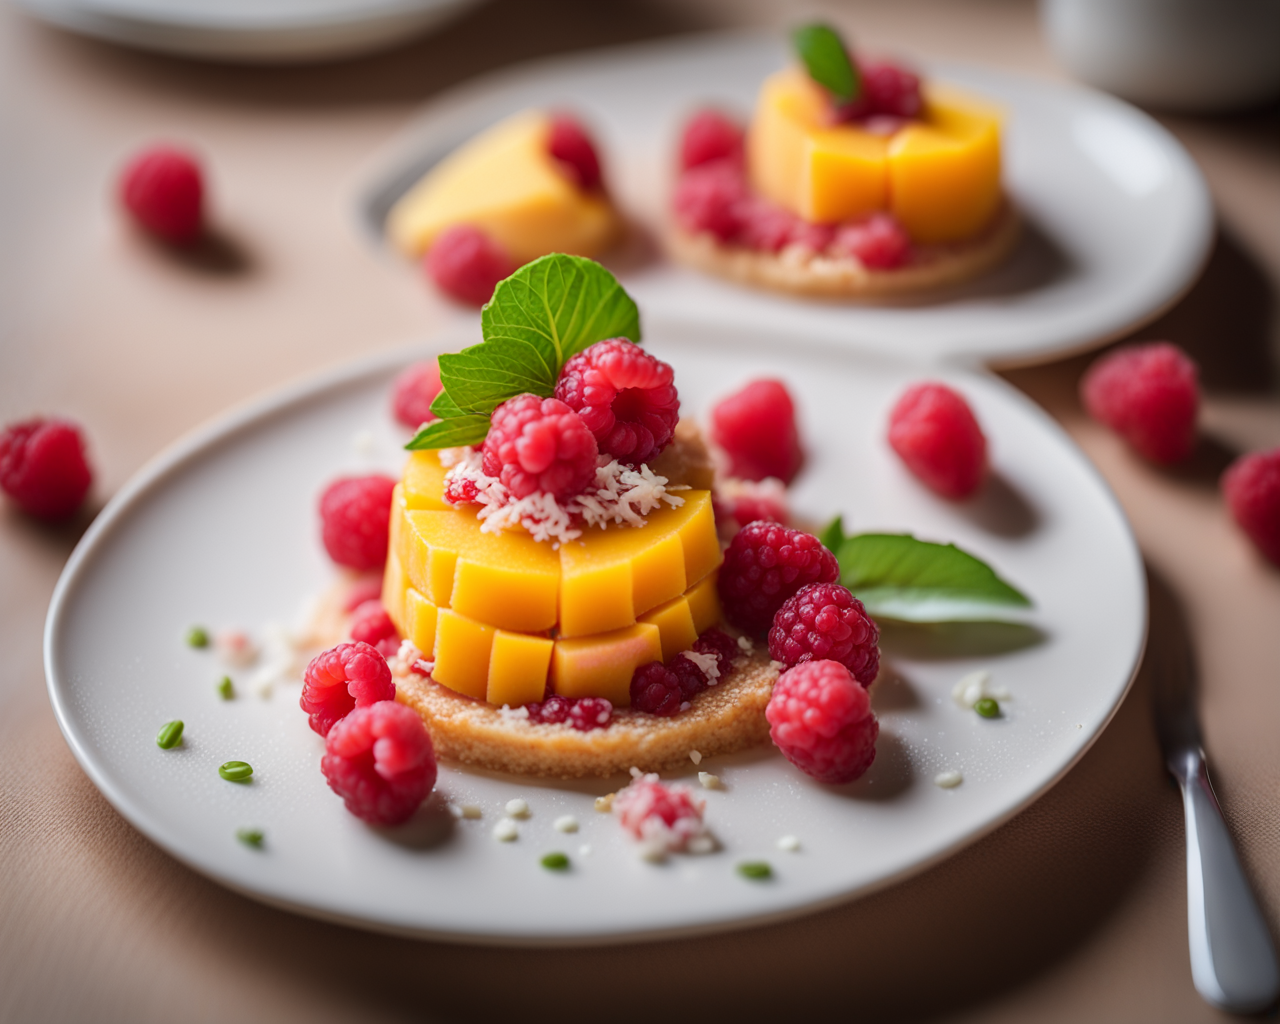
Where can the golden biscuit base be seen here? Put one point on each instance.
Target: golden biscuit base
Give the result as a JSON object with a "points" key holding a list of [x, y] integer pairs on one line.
{"points": [[799, 271], [722, 719]]}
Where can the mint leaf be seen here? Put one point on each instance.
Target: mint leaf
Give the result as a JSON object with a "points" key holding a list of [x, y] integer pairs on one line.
{"points": [[557, 306], [827, 61], [545, 312], [899, 577], [450, 433], [833, 536]]}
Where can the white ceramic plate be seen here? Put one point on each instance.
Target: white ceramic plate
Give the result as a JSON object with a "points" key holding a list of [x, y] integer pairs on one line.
{"points": [[251, 30], [1119, 217], [221, 530]]}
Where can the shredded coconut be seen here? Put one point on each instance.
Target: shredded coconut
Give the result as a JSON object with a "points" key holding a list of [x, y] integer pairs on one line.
{"points": [[235, 648], [584, 850], [745, 645], [665, 819], [971, 688], [709, 664], [620, 495], [405, 658], [565, 823], [510, 714], [778, 666], [604, 804], [468, 811]]}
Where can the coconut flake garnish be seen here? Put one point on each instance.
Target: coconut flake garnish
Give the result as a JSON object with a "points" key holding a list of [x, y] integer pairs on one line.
{"points": [[620, 495]]}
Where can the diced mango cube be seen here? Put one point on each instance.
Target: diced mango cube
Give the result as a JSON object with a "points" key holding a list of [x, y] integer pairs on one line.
{"points": [[704, 604], [505, 182], [419, 622], [423, 482], [505, 579], [608, 577], [518, 668], [394, 584], [675, 626], [462, 652], [602, 665]]}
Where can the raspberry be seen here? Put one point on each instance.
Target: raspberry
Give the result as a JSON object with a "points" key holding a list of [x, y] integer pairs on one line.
{"points": [[570, 144], [460, 491], [1251, 485], [413, 392], [355, 513], [1149, 395], [764, 226], [934, 431], [824, 622], [467, 264], [539, 444], [163, 189], [814, 237], [551, 711], [764, 565], [370, 624], [757, 429], [892, 90], [379, 759], [878, 243], [343, 678], [587, 713], [688, 676], [722, 645], [625, 397], [43, 468], [708, 136], [667, 815], [821, 720], [710, 198], [656, 690]]}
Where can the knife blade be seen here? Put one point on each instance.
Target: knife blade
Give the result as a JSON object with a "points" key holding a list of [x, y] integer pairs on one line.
{"points": [[1233, 960]]}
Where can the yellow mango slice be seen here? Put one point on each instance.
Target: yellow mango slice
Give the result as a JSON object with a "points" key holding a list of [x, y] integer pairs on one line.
{"points": [[609, 577], [704, 604], [602, 665], [462, 652], [675, 626], [822, 174], [506, 579], [423, 483], [945, 173], [939, 176], [394, 584], [506, 183], [419, 622], [518, 668]]}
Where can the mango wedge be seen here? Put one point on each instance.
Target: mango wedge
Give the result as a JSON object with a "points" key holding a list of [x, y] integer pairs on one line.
{"points": [[506, 183]]}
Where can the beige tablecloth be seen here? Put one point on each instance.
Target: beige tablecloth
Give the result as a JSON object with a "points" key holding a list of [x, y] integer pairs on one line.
{"points": [[1075, 910]]}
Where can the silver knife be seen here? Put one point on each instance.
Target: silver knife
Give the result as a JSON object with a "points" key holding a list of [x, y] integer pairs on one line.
{"points": [[1233, 961]]}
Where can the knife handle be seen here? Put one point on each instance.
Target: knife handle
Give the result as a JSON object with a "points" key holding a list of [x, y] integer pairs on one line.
{"points": [[1233, 962]]}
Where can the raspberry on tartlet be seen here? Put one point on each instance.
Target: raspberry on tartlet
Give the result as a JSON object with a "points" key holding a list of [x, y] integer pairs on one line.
{"points": [[765, 564], [380, 760], [539, 444], [825, 622], [339, 680]]}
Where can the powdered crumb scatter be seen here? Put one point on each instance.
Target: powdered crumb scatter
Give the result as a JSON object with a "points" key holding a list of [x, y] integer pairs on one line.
{"points": [[505, 831], [695, 757], [789, 843], [566, 823], [745, 645], [948, 780], [518, 808], [604, 804], [709, 781], [584, 850]]}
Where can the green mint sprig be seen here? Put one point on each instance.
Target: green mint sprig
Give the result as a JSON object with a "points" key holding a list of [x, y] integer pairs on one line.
{"points": [[899, 577], [827, 61], [540, 316]]}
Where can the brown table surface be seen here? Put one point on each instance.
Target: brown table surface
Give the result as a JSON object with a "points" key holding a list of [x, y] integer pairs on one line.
{"points": [[1075, 910]]}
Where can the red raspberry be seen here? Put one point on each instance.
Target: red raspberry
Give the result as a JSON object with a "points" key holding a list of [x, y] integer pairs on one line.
{"points": [[587, 713], [379, 759], [1251, 485], [824, 622], [688, 676], [43, 468], [345, 677], [821, 720], [649, 810], [625, 397], [1149, 395], [934, 431], [163, 189], [722, 645], [539, 444], [551, 711], [413, 392], [878, 243], [892, 90], [711, 198], [764, 565], [708, 136], [757, 429], [460, 491], [656, 690], [814, 237], [570, 144], [467, 264], [370, 624], [764, 226], [355, 513]]}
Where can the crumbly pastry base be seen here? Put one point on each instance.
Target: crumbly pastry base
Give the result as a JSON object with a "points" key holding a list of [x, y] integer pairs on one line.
{"points": [[799, 271], [722, 719]]}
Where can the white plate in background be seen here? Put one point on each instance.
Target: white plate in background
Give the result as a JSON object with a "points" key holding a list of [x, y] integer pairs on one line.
{"points": [[1119, 220], [221, 530]]}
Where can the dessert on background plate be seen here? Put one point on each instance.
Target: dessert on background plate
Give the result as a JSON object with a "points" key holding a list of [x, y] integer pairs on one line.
{"points": [[854, 179]]}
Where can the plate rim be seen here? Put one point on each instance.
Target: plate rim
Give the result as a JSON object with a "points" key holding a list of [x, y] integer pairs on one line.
{"points": [[279, 400]]}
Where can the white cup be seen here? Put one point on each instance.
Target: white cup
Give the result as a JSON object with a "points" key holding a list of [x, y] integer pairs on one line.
{"points": [[1192, 55]]}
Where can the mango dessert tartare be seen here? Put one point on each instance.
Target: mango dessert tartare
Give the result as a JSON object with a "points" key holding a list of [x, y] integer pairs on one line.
{"points": [[854, 179], [528, 186]]}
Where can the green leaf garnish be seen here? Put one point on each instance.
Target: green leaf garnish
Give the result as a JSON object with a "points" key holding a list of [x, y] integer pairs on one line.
{"points": [[897, 576], [540, 316], [827, 61]]}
